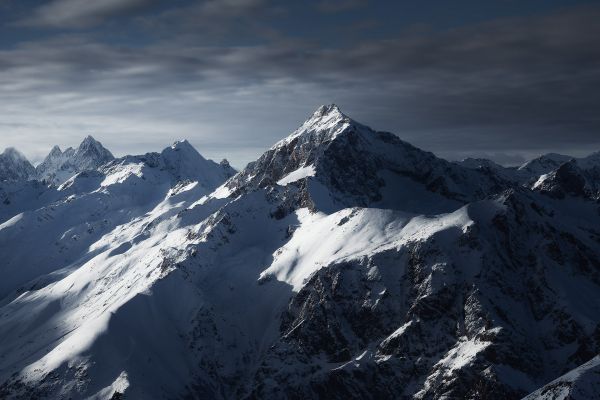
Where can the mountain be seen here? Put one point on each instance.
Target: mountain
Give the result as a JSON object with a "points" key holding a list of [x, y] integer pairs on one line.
{"points": [[362, 167], [342, 263], [59, 166], [15, 167]]}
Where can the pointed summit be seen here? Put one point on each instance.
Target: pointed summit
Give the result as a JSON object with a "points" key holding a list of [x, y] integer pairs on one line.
{"points": [[184, 162], [14, 166], [183, 145], [14, 154], [324, 125], [328, 110], [90, 142], [325, 117], [90, 155], [55, 152]]}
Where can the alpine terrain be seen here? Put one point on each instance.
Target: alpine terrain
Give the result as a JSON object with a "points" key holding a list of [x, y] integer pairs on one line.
{"points": [[343, 263]]}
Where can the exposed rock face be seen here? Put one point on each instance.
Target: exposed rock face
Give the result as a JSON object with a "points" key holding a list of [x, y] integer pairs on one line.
{"points": [[466, 316]]}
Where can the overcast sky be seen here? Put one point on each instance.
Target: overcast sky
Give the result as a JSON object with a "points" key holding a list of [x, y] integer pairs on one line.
{"points": [[505, 79]]}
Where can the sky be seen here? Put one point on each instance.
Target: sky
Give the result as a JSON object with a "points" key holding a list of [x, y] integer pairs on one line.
{"points": [[503, 79]]}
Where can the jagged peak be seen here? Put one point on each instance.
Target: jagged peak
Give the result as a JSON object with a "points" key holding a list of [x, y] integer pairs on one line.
{"points": [[326, 115], [182, 150], [89, 143], [56, 149], [328, 110], [326, 122], [89, 139], [55, 152]]}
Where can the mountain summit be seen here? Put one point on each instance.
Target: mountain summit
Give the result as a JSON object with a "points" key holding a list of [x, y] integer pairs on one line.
{"points": [[364, 167]]}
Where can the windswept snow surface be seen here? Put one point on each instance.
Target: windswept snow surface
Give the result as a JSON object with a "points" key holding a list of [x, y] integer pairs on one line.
{"points": [[343, 263]]}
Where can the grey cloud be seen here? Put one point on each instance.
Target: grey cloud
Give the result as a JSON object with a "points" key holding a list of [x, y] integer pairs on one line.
{"points": [[204, 20], [80, 13]]}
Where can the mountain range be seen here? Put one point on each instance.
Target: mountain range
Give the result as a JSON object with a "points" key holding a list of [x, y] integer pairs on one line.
{"points": [[342, 263]]}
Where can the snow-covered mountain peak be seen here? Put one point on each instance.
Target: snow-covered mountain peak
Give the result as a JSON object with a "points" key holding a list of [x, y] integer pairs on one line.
{"points": [[91, 154], [182, 149], [324, 124], [186, 163], [357, 164], [329, 111], [324, 118], [184, 145], [89, 141], [14, 166], [55, 152], [59, 166]]}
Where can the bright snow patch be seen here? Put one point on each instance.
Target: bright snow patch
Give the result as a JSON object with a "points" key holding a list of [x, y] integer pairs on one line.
{"points": [[297, 175]]}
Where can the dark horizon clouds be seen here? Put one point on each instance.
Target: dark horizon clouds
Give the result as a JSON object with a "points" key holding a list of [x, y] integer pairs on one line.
{"points": [[504, 80]]}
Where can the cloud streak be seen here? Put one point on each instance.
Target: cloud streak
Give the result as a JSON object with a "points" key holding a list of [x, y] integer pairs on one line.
{"points": [[80, 13]]}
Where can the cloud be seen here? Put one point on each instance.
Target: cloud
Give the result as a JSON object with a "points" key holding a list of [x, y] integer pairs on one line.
{"points": [[80, 13], [506, 88]]}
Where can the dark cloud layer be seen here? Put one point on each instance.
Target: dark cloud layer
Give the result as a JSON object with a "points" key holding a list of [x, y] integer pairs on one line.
{"points": [[226, 75]]}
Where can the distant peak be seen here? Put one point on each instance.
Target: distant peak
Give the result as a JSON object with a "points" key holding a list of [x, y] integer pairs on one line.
{"points": [[56, 151], [183, 145], [14, 154], [89, 139]]}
